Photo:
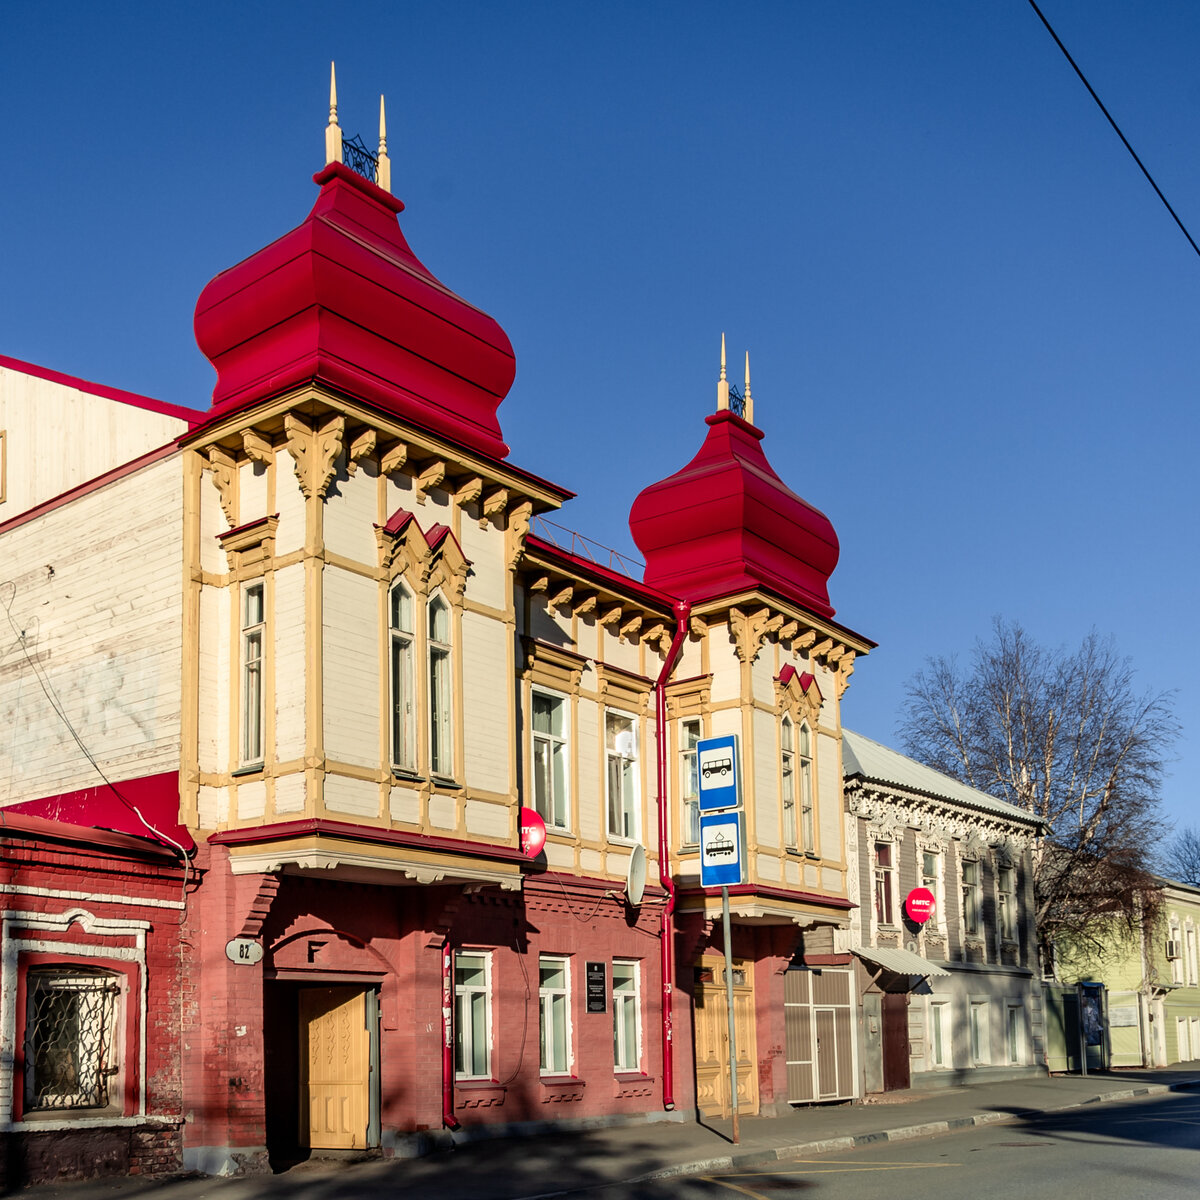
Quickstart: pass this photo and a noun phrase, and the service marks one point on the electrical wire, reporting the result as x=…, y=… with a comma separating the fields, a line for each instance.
x=56, y=704
x=1116, y=127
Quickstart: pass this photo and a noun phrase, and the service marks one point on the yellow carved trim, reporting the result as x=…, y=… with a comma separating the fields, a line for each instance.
x=257, y=448
x=224, y=476
x=518, y=530
x=362, y=445
x=393, y=458
x=428, y=479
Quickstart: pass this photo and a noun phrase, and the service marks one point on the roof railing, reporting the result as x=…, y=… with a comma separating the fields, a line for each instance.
x=585, y=547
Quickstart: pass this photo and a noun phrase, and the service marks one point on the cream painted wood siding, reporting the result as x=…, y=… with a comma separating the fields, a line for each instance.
x=291, y=663
x=96, y=590
x=214, y=679
x=829, y=797
x=350, y=619
x=252, y=492
x=487, y=697
x=57, y=437
x=484, y=549
x=590, y=772
x=351, y=511
x=766, y=780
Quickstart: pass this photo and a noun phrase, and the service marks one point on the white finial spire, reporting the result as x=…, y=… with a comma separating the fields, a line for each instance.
x=333, y=131
x=383, y=175
x=722, y=384
x=748, y=411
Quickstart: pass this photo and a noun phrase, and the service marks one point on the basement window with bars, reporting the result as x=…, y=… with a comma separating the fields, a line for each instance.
x=71, y=1039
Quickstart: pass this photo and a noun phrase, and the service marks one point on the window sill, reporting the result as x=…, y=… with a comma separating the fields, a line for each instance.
x=478, y=1093
x=631, y=1085
x=565, y=1082
x=404, y=775
x=445, y=783
x=248, y=769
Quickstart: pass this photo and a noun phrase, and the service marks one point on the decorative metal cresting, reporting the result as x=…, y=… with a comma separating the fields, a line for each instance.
x=359, y=159
x=70, y=1034
x=353, y=151
x=737, y=402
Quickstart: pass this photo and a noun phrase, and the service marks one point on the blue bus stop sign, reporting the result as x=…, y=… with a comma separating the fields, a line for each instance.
x=720, y=773
x=720, y=849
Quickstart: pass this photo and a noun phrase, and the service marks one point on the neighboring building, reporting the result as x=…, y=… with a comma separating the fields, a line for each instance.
x=91, y=984
x=955, y=997
x=1148, y=998
x=319, y=631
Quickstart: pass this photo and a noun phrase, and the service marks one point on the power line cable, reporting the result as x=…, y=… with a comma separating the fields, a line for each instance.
x=1116, y=127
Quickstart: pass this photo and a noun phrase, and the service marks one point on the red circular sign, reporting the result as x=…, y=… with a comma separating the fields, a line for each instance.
x=533, y=833
x=919, y=904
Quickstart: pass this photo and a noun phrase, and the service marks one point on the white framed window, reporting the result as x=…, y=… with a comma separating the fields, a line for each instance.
x=978, y=1026
x=787, y=767
x=620, y=753
x=627, y=1020
x=972, y=898
x=805, y=767
x=253, y=638
x=554, y=1013
x=441, y=735
x=1013, y=1041
x=1175, y=951
x=73, y=1049
x=401, y=639
x=939, y=1033
x=1189, y=942
x=931, y=879
x=885, y=881
x=1006, y=904
x=472, y=1014
x=551, y=759
x=689, y=780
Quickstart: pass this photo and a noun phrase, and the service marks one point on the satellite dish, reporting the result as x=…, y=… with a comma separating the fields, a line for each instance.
x=635, y=879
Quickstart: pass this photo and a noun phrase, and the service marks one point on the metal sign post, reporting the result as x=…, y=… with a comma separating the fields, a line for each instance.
x=721, y=838
x=729, y=1004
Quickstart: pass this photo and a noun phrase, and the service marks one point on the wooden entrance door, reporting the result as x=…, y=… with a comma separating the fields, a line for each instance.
x=895, y=1041
x=335, y=1058
x=712, y=1038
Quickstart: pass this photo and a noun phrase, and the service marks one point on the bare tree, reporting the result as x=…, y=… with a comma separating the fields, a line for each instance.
x=1180, y=858
x=1067, y=736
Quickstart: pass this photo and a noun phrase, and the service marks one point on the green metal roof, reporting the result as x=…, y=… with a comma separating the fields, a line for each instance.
x=875, y=763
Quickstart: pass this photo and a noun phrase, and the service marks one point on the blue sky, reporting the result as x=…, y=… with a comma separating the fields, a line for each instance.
x=973, y=327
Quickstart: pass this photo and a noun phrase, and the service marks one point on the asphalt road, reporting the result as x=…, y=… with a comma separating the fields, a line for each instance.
x=1145, y=1148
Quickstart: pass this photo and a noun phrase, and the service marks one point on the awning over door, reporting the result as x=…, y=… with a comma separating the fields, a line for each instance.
x=901, y=962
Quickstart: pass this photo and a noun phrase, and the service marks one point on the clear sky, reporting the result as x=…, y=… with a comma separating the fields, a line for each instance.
x=972, y=325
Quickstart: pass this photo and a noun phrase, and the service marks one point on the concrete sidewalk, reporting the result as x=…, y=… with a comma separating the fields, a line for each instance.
x=511, y=1168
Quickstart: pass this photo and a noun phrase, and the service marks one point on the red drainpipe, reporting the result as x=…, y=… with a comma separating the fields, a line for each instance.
x=448, y=1036
x=683, y=611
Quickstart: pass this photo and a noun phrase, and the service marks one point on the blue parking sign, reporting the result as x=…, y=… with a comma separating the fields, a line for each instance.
x=719, y=770
x=720, y=849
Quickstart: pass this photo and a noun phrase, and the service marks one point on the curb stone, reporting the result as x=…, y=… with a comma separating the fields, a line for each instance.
x=899, y=1134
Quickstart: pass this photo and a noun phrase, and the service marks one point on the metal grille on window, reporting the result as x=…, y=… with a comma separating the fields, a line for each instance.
x=70, y=1035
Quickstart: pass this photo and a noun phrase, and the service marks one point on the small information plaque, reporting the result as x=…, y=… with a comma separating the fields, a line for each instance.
x=597, y=987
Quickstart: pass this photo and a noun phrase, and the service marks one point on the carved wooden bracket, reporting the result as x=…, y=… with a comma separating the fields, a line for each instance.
x=362, y=445
x=224, y=473
x=844, y=671
x=698, y=628
x=257, y=448
x=315, y=452
x=429, y=478
x=586, y=603
x=611, y=617
x=630, y=628
x=560, y=599
x=468, y=491
x=393, y=458
x=749, y=631
x=518, y=530
x=540, y=584
x=493, y=505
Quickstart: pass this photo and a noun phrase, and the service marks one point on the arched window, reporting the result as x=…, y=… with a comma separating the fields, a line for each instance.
x=441, y=748
x=400, y=637
x=804, y=766
x=787, y=756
